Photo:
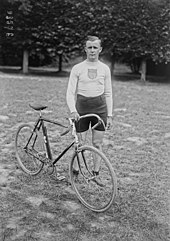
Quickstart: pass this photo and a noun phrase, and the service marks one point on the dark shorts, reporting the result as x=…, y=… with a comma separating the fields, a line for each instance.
x=91, y=105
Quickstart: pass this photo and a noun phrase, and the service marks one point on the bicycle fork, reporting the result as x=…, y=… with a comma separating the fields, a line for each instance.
x=87, y=179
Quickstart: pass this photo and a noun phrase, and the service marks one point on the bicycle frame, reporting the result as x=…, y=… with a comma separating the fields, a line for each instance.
x=33, y=152
x=40, y=124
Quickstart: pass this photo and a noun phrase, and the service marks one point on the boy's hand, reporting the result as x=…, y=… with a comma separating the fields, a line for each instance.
x=75, y=116
x=109, y=122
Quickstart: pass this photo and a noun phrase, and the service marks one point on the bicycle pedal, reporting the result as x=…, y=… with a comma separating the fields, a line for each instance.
x=98, y=182
x=59, y=177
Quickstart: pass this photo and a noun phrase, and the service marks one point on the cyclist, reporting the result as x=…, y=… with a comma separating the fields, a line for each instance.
x=90, y=91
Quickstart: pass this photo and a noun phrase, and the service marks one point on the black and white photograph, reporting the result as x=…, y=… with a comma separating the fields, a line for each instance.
x=84, y=120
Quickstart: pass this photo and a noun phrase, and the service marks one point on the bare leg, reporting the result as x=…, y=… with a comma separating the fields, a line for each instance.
x=82, y=137
x=97, y=140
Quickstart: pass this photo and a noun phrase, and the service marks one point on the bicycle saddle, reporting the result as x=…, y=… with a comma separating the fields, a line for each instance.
x=38, y=107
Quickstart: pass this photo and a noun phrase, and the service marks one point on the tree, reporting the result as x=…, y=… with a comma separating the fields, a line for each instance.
x=132, y=31
x=45, y=27
x=138, y=29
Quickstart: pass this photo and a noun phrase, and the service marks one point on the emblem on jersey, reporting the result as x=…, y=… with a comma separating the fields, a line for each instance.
x=92, y=73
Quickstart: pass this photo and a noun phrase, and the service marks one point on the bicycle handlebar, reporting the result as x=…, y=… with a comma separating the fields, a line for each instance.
x=100, y=121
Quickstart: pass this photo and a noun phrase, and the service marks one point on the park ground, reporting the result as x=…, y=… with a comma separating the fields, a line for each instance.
x=138, y=146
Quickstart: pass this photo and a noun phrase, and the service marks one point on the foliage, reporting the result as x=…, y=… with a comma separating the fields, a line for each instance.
x=129, y=29
x=45, y=27
x=138, y=29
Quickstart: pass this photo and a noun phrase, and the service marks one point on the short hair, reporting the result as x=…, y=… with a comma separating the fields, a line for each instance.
x=92, y=38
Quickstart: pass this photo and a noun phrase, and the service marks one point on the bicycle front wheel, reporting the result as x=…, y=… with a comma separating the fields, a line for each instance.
x=96, y=192
x=29, y=150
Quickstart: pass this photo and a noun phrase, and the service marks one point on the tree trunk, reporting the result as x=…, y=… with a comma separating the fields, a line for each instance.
x=60, y=62
x=143, y=70
x=25, y=62
x=112, y=66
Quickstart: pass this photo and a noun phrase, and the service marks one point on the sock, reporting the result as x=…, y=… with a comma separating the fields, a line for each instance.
x=75, y=172
x=95, y=173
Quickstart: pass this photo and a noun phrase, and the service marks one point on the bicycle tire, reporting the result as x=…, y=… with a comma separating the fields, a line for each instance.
x=30, y=158
x=97, y=193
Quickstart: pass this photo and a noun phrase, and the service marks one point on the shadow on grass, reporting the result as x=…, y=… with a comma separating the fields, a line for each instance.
x=51, y=72
x=125, y=77
x=34, y=72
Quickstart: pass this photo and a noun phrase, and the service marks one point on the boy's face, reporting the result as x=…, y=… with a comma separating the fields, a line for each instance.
x=93, y=50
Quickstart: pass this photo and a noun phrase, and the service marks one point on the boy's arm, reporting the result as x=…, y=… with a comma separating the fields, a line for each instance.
x=71, y=90
x=108, y=92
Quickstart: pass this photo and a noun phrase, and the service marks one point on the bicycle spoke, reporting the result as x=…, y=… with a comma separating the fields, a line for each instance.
x=29, y=154
x=95, y=191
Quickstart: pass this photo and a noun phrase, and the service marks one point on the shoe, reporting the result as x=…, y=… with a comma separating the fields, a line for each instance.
x=97, y=179
x=59, y=177
x=75, y=174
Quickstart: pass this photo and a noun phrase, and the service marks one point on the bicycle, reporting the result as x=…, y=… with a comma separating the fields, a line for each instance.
x=97, y=193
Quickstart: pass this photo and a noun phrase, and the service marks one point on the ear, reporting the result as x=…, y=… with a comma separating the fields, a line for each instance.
x=100, y=49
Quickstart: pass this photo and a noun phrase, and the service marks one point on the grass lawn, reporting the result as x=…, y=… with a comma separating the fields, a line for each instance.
x=138, y=146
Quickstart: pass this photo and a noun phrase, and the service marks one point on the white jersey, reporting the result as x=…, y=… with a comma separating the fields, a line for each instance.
x=89, y=79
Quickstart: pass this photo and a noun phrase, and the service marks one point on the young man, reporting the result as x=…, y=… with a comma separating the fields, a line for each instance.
x=90, y=91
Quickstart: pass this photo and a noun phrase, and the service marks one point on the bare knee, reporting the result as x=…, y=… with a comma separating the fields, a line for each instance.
x=97, y=139
x=97, y=144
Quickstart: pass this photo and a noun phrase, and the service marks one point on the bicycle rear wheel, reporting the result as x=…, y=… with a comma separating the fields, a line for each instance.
x=29, y=150
x=96, y=192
